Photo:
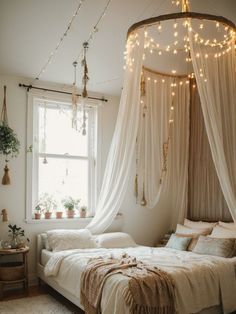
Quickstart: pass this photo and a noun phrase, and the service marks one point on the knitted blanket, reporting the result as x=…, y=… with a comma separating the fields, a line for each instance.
x=150, y=290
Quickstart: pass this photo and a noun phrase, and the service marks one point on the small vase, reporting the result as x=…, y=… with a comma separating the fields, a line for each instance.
x=70, y=213
x=47, y=215
x=14, y=243
x=59, y=215
x=37, y=216
x=82, y=214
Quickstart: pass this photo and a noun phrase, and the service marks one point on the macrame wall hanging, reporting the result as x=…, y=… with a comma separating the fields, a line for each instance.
x=9, y=144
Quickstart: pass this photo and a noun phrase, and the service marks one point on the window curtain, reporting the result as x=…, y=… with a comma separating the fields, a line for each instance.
x=154, y=130
x=120, y=158
x=215, y=75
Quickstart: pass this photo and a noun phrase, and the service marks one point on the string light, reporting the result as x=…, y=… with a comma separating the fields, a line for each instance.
x=53, y=53
x=95, y=29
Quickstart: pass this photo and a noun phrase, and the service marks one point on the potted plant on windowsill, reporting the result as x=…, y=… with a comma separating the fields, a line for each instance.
x=70, y=205
x=38, y=211
x=48, y=202
x=83, y=211
x=59, y=214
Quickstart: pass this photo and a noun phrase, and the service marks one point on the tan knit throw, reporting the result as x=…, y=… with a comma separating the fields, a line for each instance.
x=150, y=290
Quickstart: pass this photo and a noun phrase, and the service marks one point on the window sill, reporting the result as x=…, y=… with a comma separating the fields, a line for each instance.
x=55, y=220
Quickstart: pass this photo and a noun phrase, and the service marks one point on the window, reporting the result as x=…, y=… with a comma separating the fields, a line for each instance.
x=62, y=162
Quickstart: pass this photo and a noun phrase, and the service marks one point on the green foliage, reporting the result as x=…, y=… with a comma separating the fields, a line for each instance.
x=83, y=208
x=9, y=144
x=15, y=231
x=47, y=202
x=70, y=203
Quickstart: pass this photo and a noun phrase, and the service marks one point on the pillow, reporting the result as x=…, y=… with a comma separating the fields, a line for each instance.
x=44, y=239
x=193, y=240
x=181, y=229
x=198, y=224
x=60, y=240
x=228, y=225
x=221, y=232
x=178, y=242
x=114, y=240
x=215, y=246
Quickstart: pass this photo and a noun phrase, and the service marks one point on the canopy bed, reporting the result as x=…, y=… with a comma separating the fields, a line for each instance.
x=168, y=59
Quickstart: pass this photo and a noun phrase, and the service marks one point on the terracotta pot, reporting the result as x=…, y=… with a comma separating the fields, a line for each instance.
x=47, y=215
x=59, y=215
x=37, y=215
x=70, y=213
x=82, y=214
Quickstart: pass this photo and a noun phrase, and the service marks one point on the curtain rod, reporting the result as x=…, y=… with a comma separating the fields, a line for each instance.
x=28, y=87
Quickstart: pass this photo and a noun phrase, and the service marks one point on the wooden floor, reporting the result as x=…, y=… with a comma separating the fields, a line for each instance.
x=43, y=289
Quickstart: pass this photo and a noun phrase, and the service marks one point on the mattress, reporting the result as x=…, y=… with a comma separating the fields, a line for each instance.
x=186, y=268
x=45, y=256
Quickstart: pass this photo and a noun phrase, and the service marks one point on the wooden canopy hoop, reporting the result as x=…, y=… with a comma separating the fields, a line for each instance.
x=180, y=15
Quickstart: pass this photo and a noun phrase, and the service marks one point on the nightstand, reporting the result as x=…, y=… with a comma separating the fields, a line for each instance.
x=13, y=272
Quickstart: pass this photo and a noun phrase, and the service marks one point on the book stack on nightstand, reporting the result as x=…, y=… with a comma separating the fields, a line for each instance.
x=163, y=241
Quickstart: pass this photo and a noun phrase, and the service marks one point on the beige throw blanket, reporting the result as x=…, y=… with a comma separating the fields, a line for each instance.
x=150, y=290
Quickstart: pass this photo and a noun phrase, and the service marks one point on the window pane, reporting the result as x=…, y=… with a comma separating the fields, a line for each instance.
x=56, y=135
x=62, y=178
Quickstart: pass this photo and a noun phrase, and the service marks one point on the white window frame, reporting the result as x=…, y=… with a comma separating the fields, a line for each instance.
x=94, y=152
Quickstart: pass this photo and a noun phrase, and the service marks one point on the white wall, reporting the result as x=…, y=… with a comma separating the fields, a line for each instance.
x=146, y=226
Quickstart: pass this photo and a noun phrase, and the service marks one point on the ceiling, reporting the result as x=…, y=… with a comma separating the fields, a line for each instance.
x=30, y=30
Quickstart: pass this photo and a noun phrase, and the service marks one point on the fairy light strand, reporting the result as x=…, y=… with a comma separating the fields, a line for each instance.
x=53, y=53
x=95, y=29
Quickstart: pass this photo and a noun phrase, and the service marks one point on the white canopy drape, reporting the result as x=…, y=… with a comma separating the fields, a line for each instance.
x=153, y=132
x=216, y=79
x=123, y=143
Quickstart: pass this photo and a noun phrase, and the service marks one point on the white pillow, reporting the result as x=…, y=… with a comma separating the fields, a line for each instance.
x=60, y=240
x=221, y=232
x=181, y=229
x=114, y=240
x=228, y=225
x=198, y=224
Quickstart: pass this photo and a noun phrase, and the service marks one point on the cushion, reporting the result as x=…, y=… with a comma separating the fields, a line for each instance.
x=198, y=224
x=193, y=240
x=45, y=242
x=181, y=229
x=221, y=232
x=114, y=240
x=60, y=240
x=215, y=246
x=178, y=242
x=228, y=225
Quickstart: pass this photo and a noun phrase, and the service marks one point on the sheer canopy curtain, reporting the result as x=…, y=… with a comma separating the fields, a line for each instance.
x=153, y=132
x=216, y=79
x=118, y=167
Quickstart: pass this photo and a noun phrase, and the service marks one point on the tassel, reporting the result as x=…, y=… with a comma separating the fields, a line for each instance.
x=4, y=215
x=136, y=187
x=143, y=200
x=6, y=179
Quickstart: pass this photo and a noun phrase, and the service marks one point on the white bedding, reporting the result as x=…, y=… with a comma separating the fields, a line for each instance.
x=201, y=281
x=45, y=256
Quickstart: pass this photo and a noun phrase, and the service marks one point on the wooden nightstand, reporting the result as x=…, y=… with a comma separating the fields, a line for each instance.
x=164, y=240
x=13, y=272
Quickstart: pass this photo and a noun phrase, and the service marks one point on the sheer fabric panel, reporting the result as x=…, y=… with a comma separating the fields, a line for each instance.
x=216, y=79
x=205, y=198
x=118, y=167
x=153, y=133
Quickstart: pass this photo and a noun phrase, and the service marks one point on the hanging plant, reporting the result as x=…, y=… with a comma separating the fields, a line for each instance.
x=9, y=144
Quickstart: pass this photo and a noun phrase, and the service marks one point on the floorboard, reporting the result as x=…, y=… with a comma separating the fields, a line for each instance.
x=40, y=290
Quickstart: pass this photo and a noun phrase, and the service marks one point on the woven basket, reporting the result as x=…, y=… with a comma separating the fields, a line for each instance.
x=11, y=271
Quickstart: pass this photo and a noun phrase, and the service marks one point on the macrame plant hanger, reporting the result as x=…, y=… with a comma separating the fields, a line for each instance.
x=85, y=80
x=4, y=120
